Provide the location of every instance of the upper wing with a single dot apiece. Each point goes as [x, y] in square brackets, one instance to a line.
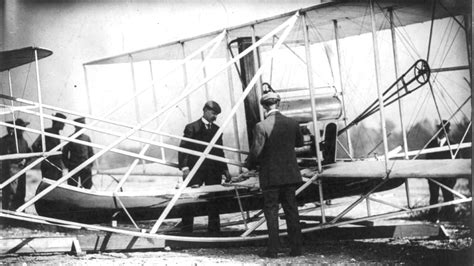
[350, 15]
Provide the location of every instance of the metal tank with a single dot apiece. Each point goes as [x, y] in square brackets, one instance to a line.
[299, 108]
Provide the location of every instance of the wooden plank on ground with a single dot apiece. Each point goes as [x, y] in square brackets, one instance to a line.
[418, 230]
[118, 242]
[36, 245]
[79, 244]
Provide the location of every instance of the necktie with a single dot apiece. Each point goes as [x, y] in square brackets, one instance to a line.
[208, 126]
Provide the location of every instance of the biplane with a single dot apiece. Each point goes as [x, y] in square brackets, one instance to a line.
[231, 66]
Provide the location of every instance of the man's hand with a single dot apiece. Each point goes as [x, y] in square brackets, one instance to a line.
[179, 182]
[185, 171]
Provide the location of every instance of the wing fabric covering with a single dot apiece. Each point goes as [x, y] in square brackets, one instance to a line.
[15, 58]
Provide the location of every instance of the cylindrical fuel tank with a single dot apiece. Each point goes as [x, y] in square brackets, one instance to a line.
[299, 108]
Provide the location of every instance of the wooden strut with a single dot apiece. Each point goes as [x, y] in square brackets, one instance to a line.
[447, 188]
[186, 84]
[135, 101]
[309, 70]
[40, 102]
[354, 204]
[387, 203]
[155, 104]
[17, 147]
[436, 149]
[341, 85]
[241, 207]
[462, 139]
[232, 101]
[126, 211]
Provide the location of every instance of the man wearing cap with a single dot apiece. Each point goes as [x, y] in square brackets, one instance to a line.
[273, 150]
[53, 166]
[440, 141]
[75, 154]
[13, 195]
[210, 172]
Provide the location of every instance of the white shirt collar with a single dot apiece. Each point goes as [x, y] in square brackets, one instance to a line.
[441, 141]
[205, 121]
[272, 111]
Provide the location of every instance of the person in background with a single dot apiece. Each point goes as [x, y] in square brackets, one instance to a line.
[52, 167]
[13, 195]
[440, 141]
[210, 172]
[75, 154]
[273, 150]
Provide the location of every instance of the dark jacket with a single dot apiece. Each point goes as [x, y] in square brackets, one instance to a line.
[75, 154]
[197, 130]
[50, 144]
[273, 148]
[440, 154]
[8, 146]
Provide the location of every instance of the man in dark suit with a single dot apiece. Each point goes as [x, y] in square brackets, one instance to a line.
[440, 141]
[74, 154]
[273, 149]
[210, 172]
[53, 166]
[13, 195]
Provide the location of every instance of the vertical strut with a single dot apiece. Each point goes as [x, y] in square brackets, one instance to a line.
[341, 85]
[377, 75]
[400, 103]
[309, 70]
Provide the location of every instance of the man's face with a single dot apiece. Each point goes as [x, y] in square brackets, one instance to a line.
[441, 134]
[209, 115]
[19, 132]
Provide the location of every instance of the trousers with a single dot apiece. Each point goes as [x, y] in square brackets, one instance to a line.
[285, 195]
[447, 211]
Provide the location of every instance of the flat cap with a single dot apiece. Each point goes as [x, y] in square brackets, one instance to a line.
[213, 106]
[80, 120]
[269, 96]
[59, 115]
